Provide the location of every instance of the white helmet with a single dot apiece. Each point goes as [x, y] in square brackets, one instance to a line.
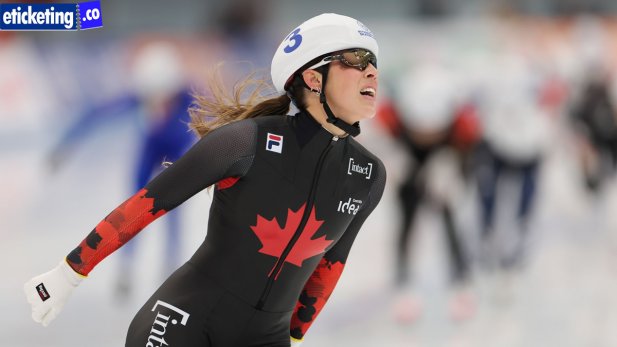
[323, 34]
[157, 70]
[428, 97]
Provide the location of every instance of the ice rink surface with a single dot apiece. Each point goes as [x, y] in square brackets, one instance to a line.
[564, 297]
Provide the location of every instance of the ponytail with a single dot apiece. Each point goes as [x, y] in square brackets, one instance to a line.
[219, 108]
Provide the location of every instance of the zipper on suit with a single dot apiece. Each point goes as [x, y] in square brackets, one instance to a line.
[309, 206]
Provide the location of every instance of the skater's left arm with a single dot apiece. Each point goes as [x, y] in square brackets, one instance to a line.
[320, 285]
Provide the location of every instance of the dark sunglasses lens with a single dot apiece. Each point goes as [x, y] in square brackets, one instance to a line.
[359, 58]
[372, 59]
[367, 57]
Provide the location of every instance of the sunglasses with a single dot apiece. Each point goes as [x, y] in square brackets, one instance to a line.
[357, 58]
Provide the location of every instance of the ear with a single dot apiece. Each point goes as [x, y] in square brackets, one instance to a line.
[312, 78]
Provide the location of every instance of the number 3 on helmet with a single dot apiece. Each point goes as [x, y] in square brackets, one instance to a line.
[323, 34]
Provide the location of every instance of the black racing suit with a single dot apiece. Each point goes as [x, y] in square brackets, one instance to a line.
[289, 201]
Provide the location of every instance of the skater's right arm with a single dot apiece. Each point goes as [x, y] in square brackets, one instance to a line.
[225, 152]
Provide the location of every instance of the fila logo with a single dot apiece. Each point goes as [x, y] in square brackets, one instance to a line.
[274, 143]
[364, 170]
[43, 293]
[352, 206]
[159, 327]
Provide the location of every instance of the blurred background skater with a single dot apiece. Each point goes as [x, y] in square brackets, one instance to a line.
[594, 127]
[592, 107]
[437, 132]
[595, 124]
[516, 135]
[159, 98]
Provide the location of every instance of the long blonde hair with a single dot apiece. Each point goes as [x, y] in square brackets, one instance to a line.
[251, 97]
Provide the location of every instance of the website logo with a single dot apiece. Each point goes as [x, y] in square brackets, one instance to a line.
[274, 143]
[361, 169]
[90, 13]
[159, 327]
[85, 15]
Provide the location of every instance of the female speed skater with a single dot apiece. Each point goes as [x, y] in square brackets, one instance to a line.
[287, 204]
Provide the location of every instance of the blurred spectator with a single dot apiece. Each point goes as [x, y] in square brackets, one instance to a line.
[242, 26]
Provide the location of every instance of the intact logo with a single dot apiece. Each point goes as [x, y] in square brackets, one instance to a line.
[43, 293]
[361, 169]
[274, 143]
[159, 327]
[351, 206]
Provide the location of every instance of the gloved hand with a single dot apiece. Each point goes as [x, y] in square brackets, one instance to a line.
[48, 292]
[295, 342]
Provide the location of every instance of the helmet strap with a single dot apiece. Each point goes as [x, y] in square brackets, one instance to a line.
[351, 129]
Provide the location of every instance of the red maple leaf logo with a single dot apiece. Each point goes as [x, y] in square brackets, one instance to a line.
[274, 239]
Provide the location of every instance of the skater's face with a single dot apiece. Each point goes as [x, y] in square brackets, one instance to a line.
[351, 87]
[352, 93]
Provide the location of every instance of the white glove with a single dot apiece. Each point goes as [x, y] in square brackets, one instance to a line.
[295, 342]
[48, 292]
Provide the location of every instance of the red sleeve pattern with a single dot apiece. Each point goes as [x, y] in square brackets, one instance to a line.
[121, 225]
[314, 296]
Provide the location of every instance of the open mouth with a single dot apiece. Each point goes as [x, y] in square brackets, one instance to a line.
[368, 91]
